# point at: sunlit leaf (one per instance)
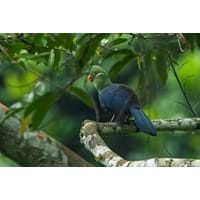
(24, 124)
(23, 52)
(19, 84)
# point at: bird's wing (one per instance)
(128, 94)
(117, 97)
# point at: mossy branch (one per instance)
(35, 148)
(90, 137)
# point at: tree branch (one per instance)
(169, 125)
(35, 148)
(90, 137)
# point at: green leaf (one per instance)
(15, 47)
(58, 60)
(141, 46)
(82, 95)
(118, 41)
(40, 39)
(7, 162)
(24, 124)
(88, 48)
(117, 67)
(64, 40)
(51, 59)
(118, 53)
(40, 107)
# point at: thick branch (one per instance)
(35, 148)
(89, 136)
(169, 125)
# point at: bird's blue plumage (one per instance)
(142, 122)
(121, 100)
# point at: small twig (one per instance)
(196, 104)
(183, 104)
(22, 39)
(107, 48)
(180, 37)
(182, 89)
(164, 146)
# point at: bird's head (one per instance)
(99, 77)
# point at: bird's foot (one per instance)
(112, 119)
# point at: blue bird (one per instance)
(120, 100)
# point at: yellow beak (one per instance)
(90, 77)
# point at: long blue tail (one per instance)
(142, 122)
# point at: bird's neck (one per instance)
(101, 86)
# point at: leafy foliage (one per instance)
(56, 59)
(39, 108)
(43, 75)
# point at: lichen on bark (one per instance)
(90, 136)
(34, 148)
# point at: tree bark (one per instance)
(90, 137)
(165, 125)
(35, 148)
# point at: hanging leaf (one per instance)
(118, 52)
(82, 95)
(118, 41)
(25, 124)
(58, 56)
(88, 48)
(40, 107)
(117, 67)
(141, 46)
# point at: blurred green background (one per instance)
(51, 69)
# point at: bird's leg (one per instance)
(126, 119)
(121, 119)
(113, 118)
(116, 119)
